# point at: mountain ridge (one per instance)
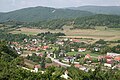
(39, 13)
(112, 10)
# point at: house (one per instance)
(69, 59)
(45, 47)
(81, 49)
(62, 54)
(60, 42)
(107, 65)
(66, 39)
(77, 65)
(87, 56)
(75, 40)
(65, 75)
(36, 67)
(101, 58)
(117, 58)
(109, 61)
(96, 49)
(113, 54)
(72, 50)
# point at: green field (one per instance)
(99, 33)
(87, 52)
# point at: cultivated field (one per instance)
(99, 33)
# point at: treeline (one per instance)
(12, 37)
(51, 24)
(110, 21)
(51, 34)
(51, 37)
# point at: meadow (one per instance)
(98, 33)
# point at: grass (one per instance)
(99, 33)
(86, 52)
(92, 54)
(72, 53)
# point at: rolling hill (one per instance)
(33, 14)
(110, 21)
(113, 10)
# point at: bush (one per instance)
(48, 60)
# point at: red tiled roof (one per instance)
(45, 47)
(77, 65)
(108, 57)
(117, 58)
(81, 48)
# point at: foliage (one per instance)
(88, 22)
(101, 41)
(110, 21)
(41, 13)
(116, 49)
(34, 58)
(48, 60)
(12, 37)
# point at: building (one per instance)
(113, 54)
(81, 49)
(117, 58)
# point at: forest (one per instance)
(89, 22)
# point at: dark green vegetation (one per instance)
(116, 49)
(51, 37)
(49, 34)
(114, 10)
(110, 21)
(10, 71)
(33, 14)
(51, 24)
(12, 37)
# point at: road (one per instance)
(58, 62)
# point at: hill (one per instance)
(113, 10)
(34, 14)
(111, 21)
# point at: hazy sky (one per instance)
(9, 5)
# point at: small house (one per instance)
(81, 49)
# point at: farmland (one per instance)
(98, 33)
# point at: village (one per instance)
(66, 52)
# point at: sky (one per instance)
(10, 5)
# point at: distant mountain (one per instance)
(113, 10)
(1, 14)
(33, 14)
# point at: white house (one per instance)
(113, 54)
(107, 65)
(72, 50)
(81, 49)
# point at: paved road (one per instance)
(57, 61)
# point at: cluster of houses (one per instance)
(35, 45)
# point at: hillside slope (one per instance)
(111, 21)
(33, 14)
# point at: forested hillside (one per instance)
(34, 14)
(111, 21)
